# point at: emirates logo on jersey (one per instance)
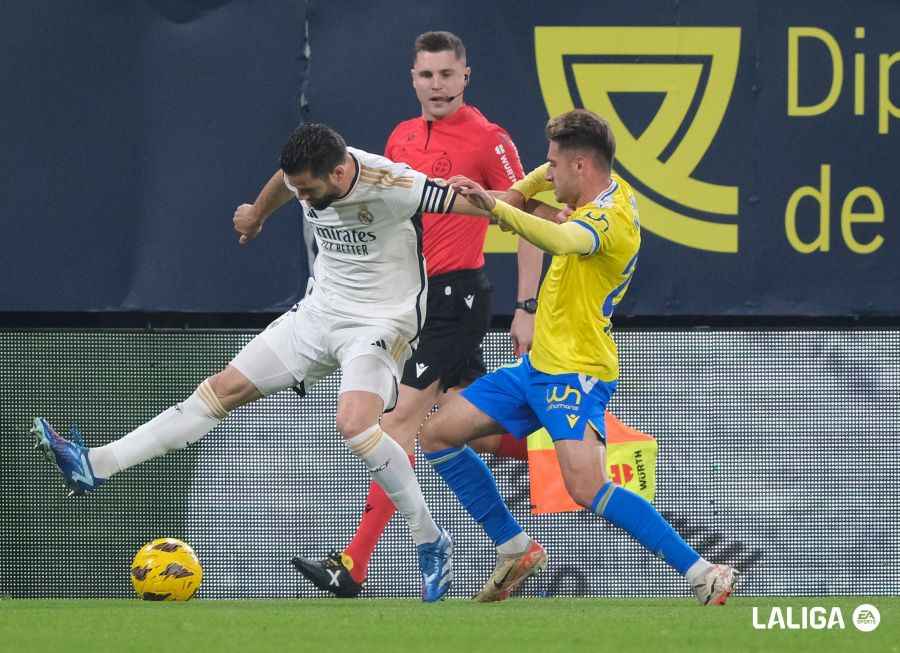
(344, 241)
(365, 216)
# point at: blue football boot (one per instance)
(69, 456)
(436, 565)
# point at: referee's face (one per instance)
(439, 79)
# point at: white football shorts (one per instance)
(306, 344)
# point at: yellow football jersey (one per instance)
(580, 292)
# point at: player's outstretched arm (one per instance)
(249, 218)
(471, 204)
(556, 239)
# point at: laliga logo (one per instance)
(695, 69)
(866, 618)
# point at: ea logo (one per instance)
(866, 618)
(692, 70)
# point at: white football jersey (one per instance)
(370, 262)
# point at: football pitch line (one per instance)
(460, 626)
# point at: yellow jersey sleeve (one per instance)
(599, 223)
(534, 182)
(557, 239)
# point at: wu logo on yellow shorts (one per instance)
(694, 69)
(556, 395)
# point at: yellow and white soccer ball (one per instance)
(166, 570)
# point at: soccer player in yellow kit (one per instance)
(566, 381)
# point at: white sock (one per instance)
(516, 545)
(391, 469)
(175, 428)
(695, 572)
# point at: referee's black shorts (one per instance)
(449, 348)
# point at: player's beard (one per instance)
(325, 201)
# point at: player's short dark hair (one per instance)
(581, 129)
(439, 42)
(314, 147)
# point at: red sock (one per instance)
(511, 447)
(378, 512)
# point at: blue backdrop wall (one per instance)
(762, 140)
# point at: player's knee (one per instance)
(351, 421)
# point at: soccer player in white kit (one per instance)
(362, 314)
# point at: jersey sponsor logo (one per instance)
(563, 397)
(504, 161)
(693, 69)
(469, 300)
(344, 241)
(442, 167)
(420, 369)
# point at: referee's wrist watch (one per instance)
(528, 305)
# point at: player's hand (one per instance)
(563, 215)
(247, 222)
(477, 195)
(521, 332)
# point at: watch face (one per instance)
(529, 305)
